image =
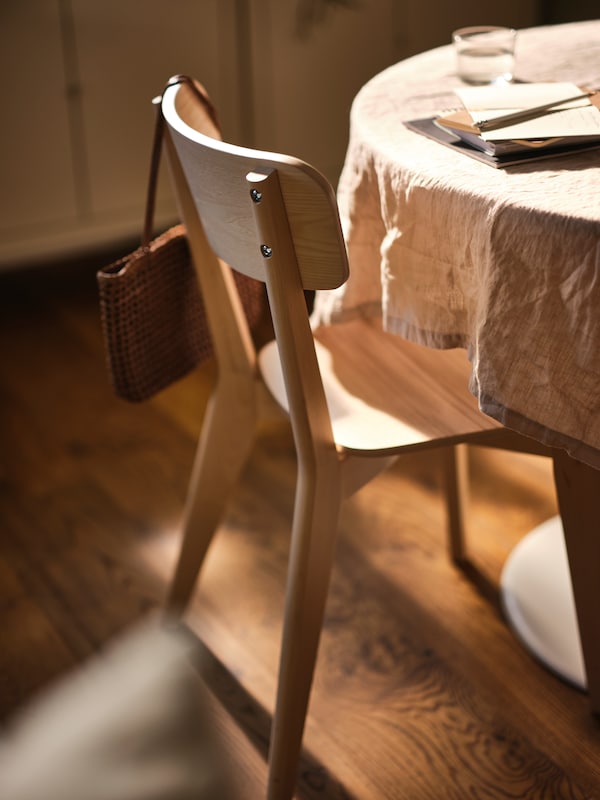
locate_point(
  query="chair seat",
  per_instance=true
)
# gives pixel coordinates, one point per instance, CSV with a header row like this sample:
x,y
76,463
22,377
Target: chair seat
x,y
385,393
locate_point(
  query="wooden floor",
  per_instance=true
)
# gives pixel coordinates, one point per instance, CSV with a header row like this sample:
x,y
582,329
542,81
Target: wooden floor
x,y
421,691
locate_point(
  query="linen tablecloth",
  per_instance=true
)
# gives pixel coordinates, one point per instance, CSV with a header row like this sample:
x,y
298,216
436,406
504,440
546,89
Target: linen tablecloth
x,y
502,262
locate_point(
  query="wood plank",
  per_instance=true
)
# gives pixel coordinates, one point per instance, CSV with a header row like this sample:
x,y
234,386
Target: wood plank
x,y
27,631
421,690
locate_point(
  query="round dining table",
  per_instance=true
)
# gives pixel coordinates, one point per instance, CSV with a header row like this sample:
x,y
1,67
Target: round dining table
x,y
505,262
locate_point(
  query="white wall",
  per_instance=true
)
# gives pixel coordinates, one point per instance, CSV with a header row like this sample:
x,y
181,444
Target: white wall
x,y
77,114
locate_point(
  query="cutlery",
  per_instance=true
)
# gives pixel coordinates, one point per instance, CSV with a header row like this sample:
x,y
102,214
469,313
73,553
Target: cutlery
x,y
527,113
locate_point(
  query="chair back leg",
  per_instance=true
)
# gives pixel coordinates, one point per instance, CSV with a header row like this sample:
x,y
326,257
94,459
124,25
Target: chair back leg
x,y
316,517
225,442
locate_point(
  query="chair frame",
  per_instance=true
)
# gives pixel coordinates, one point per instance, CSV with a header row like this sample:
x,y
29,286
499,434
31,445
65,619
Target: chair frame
x,y
327,473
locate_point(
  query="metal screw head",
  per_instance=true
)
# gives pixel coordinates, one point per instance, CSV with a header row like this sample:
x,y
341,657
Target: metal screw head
x,y
266,250
256,195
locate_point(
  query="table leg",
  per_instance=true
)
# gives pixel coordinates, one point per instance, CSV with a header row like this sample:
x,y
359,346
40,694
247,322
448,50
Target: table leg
x,y
537,597
578,491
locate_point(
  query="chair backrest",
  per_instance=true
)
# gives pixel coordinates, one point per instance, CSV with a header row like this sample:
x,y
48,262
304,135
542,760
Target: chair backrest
x,y
273,218
217,175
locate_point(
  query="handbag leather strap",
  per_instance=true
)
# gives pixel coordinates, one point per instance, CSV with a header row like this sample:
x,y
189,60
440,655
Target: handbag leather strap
x,y
202,97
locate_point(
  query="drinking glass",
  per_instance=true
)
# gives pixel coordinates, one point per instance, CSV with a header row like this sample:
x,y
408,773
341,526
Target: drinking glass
x,y
485,53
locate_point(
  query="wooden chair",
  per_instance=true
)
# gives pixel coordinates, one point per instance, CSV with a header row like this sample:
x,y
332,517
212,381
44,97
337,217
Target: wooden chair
x,y
356,396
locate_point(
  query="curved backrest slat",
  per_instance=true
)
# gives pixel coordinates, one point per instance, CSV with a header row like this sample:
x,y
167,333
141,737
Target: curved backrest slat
x,y
216,174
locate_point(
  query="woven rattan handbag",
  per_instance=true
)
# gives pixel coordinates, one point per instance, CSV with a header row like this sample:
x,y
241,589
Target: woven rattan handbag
x,y
153,320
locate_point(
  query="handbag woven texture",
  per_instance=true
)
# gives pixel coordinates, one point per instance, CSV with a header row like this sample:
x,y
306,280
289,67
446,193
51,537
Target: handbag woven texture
x,y
153,321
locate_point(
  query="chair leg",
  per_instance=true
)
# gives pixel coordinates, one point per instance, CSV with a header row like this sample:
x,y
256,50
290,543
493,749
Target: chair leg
x,y
225,443
316,514
456,476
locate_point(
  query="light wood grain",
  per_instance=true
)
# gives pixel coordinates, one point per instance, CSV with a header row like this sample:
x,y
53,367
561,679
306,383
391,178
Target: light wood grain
x,y
355,395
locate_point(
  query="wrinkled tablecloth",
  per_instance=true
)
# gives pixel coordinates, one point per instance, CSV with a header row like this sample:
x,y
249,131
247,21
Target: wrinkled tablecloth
x,y
455,253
